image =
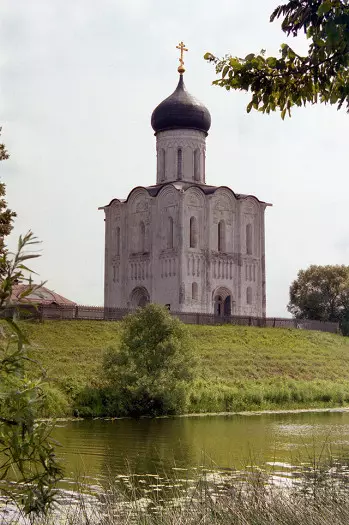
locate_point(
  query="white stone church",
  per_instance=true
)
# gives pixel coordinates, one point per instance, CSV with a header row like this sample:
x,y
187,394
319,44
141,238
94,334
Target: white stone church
x,y
181,242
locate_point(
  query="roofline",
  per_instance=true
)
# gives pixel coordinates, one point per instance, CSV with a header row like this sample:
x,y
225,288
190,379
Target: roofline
x,y
159,187
180,127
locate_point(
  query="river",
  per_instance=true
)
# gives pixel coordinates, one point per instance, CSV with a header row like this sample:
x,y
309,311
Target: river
x,y
172,447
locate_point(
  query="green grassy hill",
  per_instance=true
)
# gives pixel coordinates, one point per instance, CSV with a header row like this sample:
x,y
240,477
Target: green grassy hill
x,y
239,368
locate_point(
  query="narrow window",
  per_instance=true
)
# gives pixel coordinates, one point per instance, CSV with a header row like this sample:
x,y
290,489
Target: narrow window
x,y
218,305
142,237
193,232
162,164
249,295
117,241
197,164
194,291
249,239
179,163
170,233
221,236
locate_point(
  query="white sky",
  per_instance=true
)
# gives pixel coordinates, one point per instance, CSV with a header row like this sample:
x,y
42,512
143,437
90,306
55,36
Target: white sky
x,y
78,82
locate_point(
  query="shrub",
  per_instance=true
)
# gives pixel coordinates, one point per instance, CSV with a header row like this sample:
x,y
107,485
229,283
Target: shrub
x,y
154,365
55,403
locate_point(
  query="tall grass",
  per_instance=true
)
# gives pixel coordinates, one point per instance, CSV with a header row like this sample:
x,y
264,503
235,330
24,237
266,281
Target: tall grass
x,y
268,394
321,498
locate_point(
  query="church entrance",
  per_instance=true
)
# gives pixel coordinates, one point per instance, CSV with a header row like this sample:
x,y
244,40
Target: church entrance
x,y
139,297
222,302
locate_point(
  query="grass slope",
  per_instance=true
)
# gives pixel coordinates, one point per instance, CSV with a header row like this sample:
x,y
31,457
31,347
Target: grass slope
x,y
239,368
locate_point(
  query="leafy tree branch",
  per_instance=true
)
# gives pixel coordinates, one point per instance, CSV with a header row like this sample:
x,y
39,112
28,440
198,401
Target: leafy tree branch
x,y
288,80
26,450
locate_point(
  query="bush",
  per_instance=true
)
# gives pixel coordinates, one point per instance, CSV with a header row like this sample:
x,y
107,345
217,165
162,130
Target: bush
x,y
154,366
55,403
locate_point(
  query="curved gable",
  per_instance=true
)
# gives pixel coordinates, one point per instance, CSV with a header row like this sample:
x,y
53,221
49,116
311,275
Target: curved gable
x,y
194,196
138,199
168,195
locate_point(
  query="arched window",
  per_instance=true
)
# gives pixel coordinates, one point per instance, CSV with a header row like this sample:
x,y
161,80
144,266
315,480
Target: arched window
x,y
162,164
193,232
249,295
249,239
194,291
179,163
170,233
221,236
142,237
117,241
197,164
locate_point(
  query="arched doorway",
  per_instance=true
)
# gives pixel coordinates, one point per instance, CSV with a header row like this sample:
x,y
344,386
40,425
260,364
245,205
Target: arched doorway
x,y
139,297
222,302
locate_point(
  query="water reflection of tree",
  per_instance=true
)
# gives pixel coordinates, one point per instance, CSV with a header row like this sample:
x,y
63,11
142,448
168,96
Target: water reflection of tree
x,y
147,446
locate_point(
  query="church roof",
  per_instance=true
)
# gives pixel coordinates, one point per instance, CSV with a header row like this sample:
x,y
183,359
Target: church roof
x,y
183,186
41,295
181,111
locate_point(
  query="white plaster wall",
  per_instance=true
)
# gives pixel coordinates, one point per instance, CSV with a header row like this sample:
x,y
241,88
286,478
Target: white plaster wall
x,y
188,140
165,260
166,272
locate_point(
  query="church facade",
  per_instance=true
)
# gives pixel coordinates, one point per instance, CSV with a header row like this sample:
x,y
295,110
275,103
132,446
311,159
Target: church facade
x,y
182,242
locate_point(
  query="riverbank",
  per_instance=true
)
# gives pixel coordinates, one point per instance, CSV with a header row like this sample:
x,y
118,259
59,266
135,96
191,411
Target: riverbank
x,y
239,368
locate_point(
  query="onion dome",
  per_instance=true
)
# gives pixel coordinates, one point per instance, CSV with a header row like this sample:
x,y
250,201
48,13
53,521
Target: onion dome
x,y
180,111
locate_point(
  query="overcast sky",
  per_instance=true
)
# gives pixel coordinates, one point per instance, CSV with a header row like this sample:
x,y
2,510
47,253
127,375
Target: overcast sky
x,y
79,80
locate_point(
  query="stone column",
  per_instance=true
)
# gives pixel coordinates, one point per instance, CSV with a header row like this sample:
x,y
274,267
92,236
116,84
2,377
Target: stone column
x,y
208,255
264,295
106,258
181,255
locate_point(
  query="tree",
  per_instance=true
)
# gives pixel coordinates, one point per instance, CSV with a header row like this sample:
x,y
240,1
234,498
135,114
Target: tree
x,y
6,215
279,83
322,293
154,364
26,449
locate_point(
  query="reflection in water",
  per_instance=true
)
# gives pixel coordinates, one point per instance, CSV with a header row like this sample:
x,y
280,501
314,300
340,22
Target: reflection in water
x,y
103,449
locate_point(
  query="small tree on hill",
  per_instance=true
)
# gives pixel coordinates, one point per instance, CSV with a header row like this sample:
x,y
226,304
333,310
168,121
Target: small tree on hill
x,y
154,365
321,293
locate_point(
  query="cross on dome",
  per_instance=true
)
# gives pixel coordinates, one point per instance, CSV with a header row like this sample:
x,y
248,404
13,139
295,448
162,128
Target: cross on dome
x,y
181,46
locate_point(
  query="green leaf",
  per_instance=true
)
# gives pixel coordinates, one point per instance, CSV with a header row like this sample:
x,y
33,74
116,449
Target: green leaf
x,y
209,57
225,71
324,8
271,61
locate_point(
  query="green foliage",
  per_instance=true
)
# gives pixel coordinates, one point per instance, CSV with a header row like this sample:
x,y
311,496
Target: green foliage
x,y
236,365
26,451
279,83
321,292
266,394
54,403
154,365
6,215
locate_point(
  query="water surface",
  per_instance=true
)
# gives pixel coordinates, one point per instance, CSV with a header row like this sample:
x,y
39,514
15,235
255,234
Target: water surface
x,y
108,449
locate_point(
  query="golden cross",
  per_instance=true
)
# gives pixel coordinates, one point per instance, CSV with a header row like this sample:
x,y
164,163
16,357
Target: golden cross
x,y
182,47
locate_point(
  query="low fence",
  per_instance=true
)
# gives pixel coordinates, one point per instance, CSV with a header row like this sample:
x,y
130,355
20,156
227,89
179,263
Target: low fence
x,y
81,312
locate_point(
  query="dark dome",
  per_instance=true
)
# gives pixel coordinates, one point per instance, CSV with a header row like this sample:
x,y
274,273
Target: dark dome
x,y
180,110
